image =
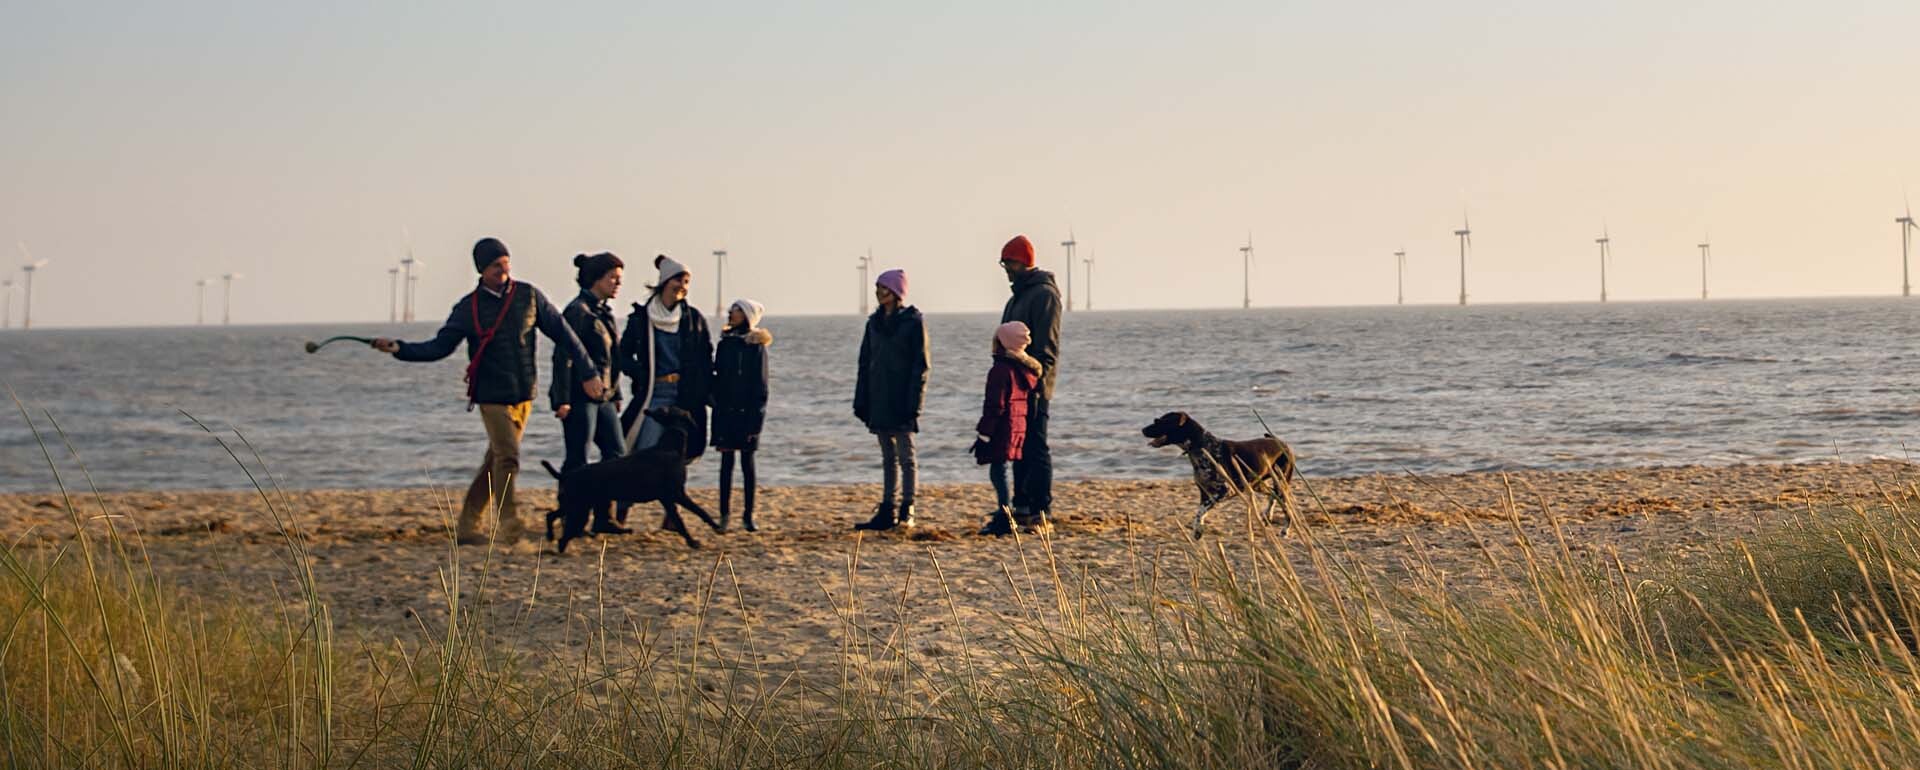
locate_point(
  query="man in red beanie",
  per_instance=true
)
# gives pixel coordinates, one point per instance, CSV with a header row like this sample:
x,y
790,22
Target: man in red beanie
x,y
1036,303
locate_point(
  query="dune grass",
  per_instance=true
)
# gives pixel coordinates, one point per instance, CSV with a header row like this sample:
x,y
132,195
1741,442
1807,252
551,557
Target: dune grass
x,y
1792,650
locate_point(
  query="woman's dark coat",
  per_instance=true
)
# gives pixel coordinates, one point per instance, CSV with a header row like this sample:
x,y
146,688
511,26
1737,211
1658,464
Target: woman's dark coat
x,y
740,378
892,381
696,368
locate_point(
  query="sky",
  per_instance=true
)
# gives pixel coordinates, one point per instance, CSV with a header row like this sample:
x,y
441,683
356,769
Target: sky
x,y
144,146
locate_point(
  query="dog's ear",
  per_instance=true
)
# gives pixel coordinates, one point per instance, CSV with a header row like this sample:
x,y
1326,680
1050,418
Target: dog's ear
x,y
1179,418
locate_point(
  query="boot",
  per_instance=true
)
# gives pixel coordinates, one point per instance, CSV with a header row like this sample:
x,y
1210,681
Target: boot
x,y
1000,524
882,519
746,519
906,516
1034,523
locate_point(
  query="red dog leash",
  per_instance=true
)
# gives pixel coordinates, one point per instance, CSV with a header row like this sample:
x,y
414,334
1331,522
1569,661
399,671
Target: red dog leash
x,y
486,336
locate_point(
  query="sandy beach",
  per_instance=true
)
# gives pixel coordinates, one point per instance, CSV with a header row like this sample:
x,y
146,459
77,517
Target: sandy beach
x,y
805,593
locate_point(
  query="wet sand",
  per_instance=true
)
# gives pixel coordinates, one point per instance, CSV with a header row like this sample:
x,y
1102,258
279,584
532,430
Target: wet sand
x,y
806,595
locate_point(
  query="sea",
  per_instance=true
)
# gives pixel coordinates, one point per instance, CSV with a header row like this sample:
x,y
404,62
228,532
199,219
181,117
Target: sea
x,y
1363,390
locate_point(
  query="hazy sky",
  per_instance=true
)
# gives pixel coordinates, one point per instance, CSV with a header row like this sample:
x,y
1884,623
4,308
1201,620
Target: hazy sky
x,y
144,145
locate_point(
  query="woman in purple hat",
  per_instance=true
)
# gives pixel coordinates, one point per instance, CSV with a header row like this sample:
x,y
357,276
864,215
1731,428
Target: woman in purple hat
x,y
891,384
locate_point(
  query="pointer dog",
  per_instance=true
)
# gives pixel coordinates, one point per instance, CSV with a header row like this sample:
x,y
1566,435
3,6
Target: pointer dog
x,y
656,473
1223,468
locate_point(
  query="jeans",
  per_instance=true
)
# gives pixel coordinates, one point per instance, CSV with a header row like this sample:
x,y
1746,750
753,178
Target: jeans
x,y
726,482
591,422
997,473
897,459
505,423
1033,472
650,429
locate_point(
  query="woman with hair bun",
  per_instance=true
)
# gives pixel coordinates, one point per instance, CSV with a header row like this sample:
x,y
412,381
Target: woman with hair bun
x,y
588,420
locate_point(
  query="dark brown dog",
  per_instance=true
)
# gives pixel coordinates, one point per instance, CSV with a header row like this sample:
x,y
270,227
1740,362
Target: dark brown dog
x,y
656,473
1223,468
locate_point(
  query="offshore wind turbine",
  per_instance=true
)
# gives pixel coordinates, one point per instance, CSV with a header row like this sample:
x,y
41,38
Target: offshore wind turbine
x,y
1907,227
32,266
1089,261
1400,277
719,284
408,264
1706,252
6,306
1069,243
866,284
393,294
200,302
1606,251
226,307
1246,273
1465,234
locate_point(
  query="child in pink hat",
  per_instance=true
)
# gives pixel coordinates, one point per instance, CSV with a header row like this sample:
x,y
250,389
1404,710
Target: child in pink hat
x,y
1002,429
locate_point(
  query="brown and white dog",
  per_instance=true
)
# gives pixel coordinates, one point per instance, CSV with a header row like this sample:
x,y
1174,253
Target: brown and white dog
x,y
1223,468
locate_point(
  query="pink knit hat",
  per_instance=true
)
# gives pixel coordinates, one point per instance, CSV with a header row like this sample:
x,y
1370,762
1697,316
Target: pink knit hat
x,y
1013,337
895,281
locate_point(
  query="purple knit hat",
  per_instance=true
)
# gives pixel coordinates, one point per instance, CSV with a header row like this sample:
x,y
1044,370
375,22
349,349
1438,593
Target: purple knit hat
x,y
895,281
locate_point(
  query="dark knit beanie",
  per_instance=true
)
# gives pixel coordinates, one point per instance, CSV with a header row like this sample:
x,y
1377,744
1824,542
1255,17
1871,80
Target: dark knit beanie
x,y
486,251
593,267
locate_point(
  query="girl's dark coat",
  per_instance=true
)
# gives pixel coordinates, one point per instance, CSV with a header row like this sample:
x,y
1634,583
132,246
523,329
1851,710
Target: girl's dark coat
x,y
1003,415
740,378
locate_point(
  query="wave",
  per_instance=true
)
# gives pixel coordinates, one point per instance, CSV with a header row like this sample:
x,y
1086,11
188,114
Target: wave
x,y
1710,358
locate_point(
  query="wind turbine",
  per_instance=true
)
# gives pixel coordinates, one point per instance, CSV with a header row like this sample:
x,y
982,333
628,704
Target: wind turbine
x,y
1069,243
32,266
1089,261
226,308
866,284
1246,273
200,302
1706,251
1465,233
1400,277
408,264
1606,251
393,294
719,284
1907,227
6,312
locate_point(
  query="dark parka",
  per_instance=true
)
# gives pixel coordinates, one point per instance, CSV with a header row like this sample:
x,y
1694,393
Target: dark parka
x,y
505,372
892,381
592,321
1036,303
696,368
740,378
1003,414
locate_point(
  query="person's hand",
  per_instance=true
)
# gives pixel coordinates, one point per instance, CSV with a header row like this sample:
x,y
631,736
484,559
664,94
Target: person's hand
x,y
594,388
385,345
563,411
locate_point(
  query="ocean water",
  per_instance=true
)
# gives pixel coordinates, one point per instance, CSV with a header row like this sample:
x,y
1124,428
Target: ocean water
x,y
1430,389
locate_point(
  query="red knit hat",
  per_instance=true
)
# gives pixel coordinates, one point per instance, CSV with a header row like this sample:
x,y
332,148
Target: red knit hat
x,y
1018,250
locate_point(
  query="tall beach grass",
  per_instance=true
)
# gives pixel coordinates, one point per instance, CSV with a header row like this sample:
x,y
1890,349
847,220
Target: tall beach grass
x,y
1795,649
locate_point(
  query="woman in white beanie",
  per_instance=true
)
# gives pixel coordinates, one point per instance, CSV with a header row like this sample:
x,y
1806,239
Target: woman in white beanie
x,y
740,402
668,354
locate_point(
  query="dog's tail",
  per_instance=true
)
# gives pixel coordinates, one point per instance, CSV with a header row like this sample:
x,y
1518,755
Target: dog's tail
x,y
550,468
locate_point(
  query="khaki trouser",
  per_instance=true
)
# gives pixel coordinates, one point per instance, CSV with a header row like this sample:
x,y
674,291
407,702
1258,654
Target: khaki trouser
x,y
505,423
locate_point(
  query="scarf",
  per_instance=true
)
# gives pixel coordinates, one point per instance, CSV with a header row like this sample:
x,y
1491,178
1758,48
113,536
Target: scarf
x,y
663,318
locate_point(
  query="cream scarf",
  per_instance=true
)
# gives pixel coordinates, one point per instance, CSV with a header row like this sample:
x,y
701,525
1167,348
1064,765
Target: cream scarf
x,y
665,319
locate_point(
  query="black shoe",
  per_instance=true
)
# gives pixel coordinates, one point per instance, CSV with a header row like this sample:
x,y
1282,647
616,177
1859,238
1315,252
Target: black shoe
x,y
746,522
906,516
882,519
999,525
1033,523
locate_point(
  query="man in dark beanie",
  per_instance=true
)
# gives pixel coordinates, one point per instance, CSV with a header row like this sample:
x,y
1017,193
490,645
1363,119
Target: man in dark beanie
x,y
1036,303
497,320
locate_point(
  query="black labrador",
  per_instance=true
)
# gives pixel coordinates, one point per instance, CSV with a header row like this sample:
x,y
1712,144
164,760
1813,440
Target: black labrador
x,y
656,473
1223,468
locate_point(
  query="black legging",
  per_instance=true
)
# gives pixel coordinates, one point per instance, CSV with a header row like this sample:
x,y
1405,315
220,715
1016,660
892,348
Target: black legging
x,y
726,482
